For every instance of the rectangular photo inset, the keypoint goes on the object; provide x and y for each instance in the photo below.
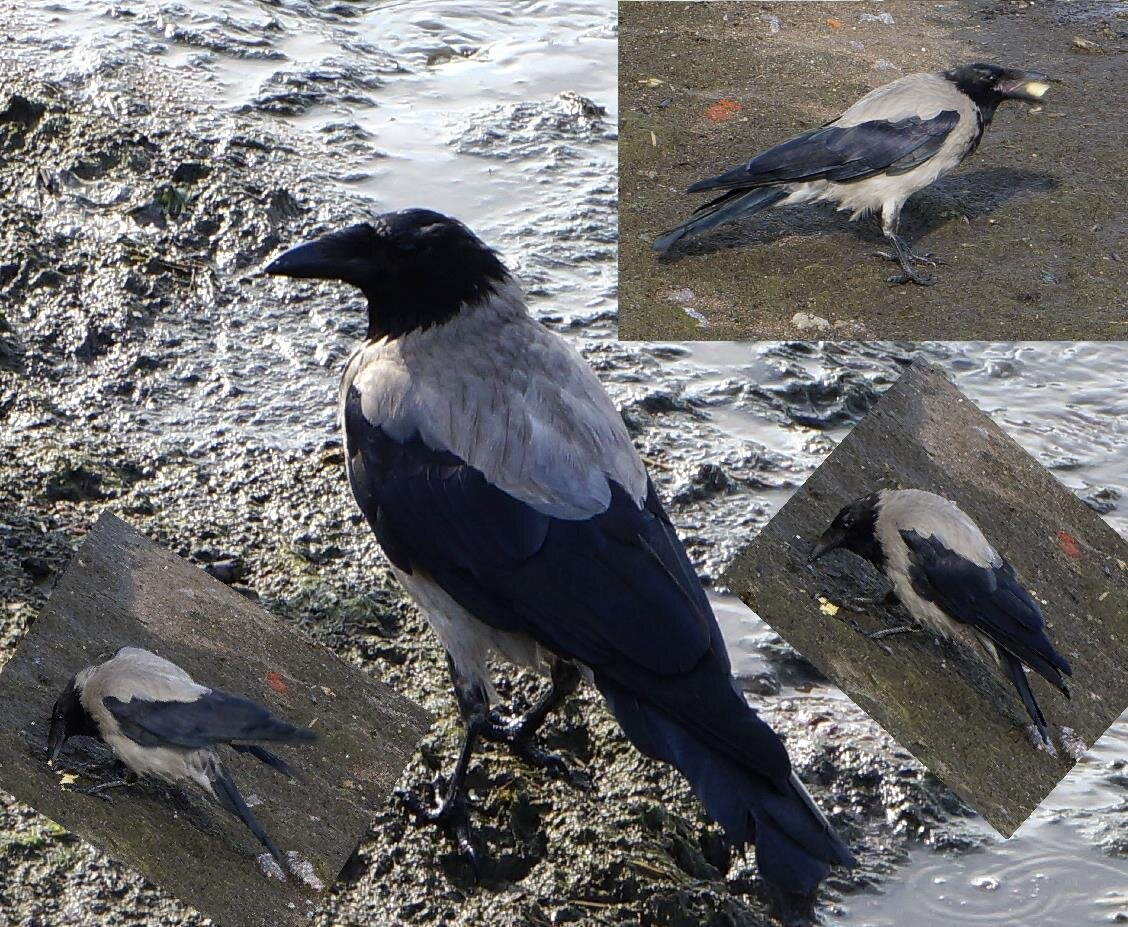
(176, 726)
(855, 170)
(956, 591)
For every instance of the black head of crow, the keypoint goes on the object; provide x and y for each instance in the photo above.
(853, 530)
(502, 485)
(896, 140)
(68, 719)
(416, 267)
(988, 85)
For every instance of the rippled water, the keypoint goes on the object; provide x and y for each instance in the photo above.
(454, 105)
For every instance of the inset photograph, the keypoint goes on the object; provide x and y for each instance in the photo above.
(956, 591)
(172, 723)
(900, 170)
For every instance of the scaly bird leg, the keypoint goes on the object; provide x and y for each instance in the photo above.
(518, 732)
(903, 255)
(452, 810)
(128, 778)
(889, 632)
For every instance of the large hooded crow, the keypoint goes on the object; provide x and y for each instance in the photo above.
(893, 142)
(160, 723)
(946, 573)
(501, 483)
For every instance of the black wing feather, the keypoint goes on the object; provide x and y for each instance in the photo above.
(595, 589)
(989, 599)
(615, 591)
(213, 718)
(842, 153)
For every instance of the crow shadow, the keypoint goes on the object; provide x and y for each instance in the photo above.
(973, 194)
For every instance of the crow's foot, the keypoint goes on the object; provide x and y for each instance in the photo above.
(908, 275)
(96, 791)
(903, 254)
(517, 734)
(452, 813)
(927, 259)
(889, 632)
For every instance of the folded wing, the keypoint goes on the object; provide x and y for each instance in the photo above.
(990, 599)
(212, 718)
(842, 153)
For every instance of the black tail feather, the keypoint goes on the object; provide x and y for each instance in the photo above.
(726, 207)
(1017, 675)
(795, 845)
(265, 756)
(227, 794)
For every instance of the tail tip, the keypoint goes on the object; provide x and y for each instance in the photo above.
(664, 243)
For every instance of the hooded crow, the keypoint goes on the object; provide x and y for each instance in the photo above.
(160, 723)
(946, 573)
(893, 142)
(500, 482)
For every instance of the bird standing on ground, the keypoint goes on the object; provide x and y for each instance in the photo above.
(160, 723)
(501, 483)
(894, 141)
(947, 574)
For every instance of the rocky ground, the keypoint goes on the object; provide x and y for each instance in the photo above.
(132, 223)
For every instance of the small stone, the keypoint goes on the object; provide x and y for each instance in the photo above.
(226, 571)
(805, 320)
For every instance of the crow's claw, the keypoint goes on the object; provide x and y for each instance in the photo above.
(516, 735)
(451, 813)
(909, 276)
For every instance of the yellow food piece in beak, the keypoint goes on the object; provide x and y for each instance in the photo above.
(1036, 88)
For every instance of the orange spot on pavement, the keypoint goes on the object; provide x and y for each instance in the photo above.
(1068, 544)
(834, 23)
(276, 682)
(722, 110)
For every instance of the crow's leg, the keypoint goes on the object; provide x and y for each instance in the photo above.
(905, 257)
(452, 810)
(879, 635)
(889, 632)
(125, 778)
(518, 733)
(902, 252)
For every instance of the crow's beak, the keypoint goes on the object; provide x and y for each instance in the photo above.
(55, 739)
(831, 540)
(317, 259)
(1026, 85)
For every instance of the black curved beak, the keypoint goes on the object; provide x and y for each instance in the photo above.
(830, 540)
(317, 259)
(56, 738)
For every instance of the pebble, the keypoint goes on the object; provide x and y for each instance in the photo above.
(805, 320)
